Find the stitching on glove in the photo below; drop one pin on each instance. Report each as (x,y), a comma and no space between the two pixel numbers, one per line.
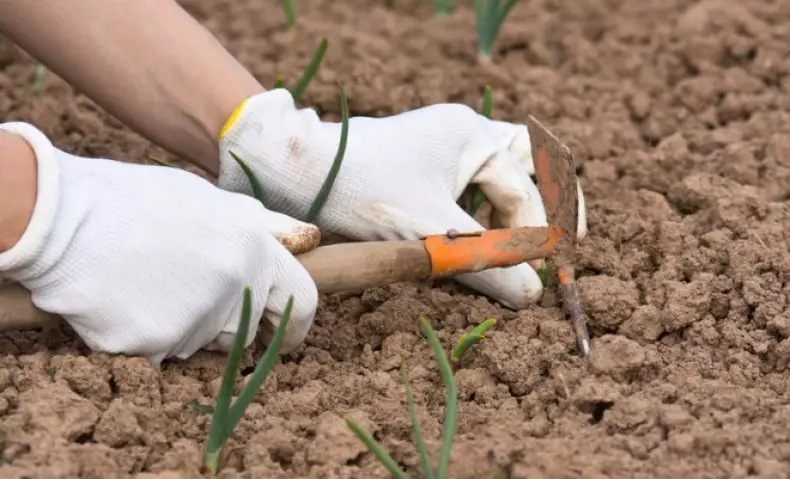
(232,119)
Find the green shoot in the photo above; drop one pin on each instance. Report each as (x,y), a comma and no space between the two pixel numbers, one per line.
(449,418)
(471,338)
(290,13)
(323,193)
(257,189)
(478,198)
(225,415)
(308,74)
(490,15)
(443,7)
(310,71)
(415,422)
(38,80)
(160,162)
(377,449)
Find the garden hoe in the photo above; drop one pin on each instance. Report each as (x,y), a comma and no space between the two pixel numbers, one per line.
(360,265)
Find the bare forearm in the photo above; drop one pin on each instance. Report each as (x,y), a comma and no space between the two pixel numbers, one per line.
(17,188)
(147,62)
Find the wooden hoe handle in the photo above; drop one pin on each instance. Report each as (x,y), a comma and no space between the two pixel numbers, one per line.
(357,266)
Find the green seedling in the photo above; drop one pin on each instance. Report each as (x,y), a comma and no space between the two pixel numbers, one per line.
(289,7)
(448,432)
(478,198)
(443,7)
(489,15)
(38,80)
(225,415)
(308,74)
(471,338)
(159,161)
(311,70)
(326,188)
(257,189)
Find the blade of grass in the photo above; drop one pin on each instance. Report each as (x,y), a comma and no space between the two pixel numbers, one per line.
(471,338)
(260,373)
(381,454)
(257,189)
(216,434)
(446,371)
(326,188)
(502,14)
(310,71)
(38,80)
(415,423)
(159,162)
(290,13)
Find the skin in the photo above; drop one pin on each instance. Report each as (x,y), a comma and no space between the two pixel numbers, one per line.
(17,188)
(146,62)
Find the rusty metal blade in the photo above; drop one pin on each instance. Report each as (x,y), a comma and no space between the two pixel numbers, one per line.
(557,182)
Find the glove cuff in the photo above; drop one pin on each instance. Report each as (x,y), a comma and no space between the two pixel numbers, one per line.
(22,256)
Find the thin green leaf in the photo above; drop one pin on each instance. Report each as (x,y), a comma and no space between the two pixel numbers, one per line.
(159,162)
(310,71)
(501,15)
(471,338)
(38,80)
(216,434)
(381,454)
(257,189)
(200,408)
(488,103)
(260,373)
(415,423)
(326,188)
(446,371)
(480,22)
(290,13)
(279,82)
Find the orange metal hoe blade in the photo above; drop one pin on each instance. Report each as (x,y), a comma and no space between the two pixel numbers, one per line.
(557,182)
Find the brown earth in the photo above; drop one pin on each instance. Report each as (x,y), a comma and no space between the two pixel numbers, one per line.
(678,110)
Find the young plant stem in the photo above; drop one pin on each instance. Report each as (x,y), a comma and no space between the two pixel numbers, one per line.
(290,13)
(257,189)
(471,338)
(326,188)
(427,471)
(225,416)
(448,378)
(160,162)
(443,7)
(38,79)
(216,434)
(310,71)
(381,454)
(489,17)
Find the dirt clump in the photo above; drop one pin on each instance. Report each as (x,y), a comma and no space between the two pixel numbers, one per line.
(677,112)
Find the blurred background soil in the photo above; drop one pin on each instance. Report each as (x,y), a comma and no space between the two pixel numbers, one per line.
(679,114)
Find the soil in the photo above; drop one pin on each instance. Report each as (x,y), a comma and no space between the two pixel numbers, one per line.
(677,112)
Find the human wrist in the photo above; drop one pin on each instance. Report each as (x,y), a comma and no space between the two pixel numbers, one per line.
(33,199)
(17,188)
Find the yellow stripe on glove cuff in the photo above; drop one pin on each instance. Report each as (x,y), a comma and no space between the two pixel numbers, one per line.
(232,119)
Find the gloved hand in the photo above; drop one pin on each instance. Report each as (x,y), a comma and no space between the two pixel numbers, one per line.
(149,260)
(400,178)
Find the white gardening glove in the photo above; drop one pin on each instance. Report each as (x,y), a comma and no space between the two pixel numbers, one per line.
(152,261)
(401,176)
